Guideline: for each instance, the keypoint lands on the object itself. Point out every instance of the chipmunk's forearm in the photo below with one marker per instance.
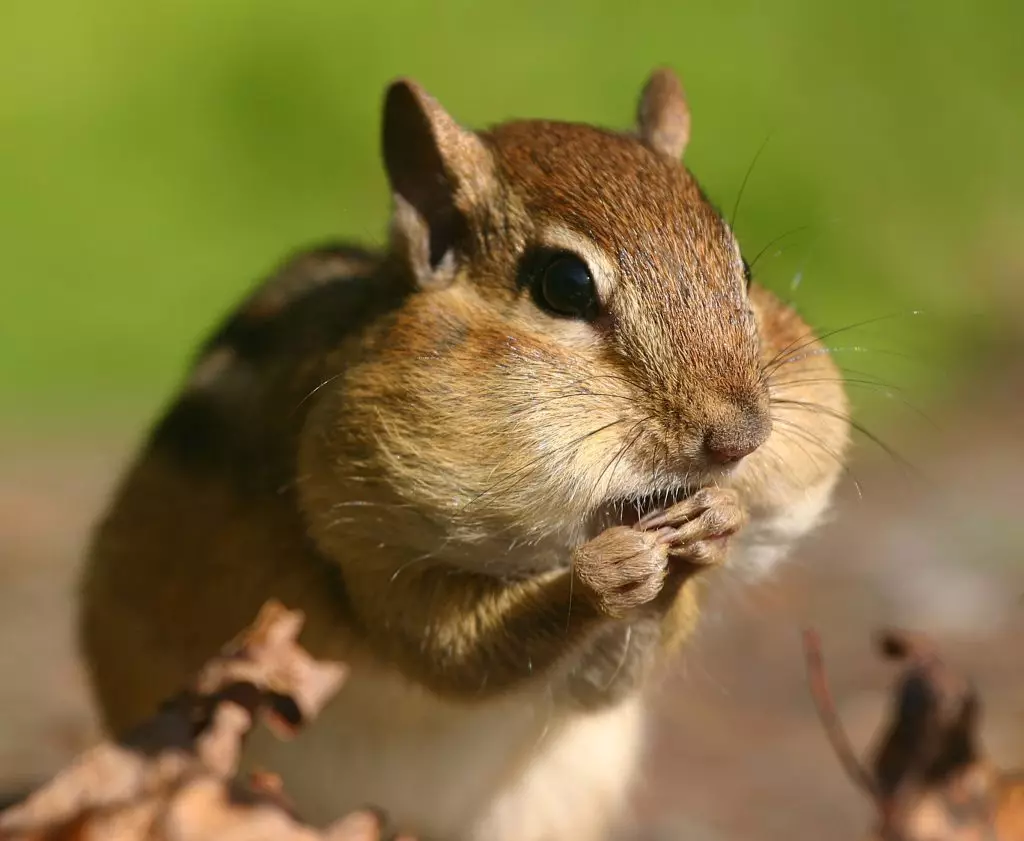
(469, 635)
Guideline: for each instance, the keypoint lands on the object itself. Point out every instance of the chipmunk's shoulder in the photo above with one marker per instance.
(272, 339)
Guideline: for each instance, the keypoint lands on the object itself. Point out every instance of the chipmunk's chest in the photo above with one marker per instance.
(445, 770)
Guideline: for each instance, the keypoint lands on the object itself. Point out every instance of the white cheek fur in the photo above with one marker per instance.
(767, 540)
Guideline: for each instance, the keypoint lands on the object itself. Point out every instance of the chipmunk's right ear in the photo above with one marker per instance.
(437, 170)
(663, 116)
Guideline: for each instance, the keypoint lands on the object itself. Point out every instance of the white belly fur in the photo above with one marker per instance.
(512, 769)
(768, 539)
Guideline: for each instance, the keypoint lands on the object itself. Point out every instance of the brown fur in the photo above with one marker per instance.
(409, 449)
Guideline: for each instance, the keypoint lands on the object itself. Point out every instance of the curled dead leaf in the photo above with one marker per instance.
(174, 778)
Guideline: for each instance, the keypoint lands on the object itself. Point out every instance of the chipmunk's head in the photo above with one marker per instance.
(581, 341)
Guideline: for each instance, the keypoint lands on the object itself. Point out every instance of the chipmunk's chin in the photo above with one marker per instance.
(628, 511)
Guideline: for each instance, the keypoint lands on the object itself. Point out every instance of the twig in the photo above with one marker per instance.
(826, 709)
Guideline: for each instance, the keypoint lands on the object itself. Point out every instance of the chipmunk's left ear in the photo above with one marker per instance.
(438, 171)
(663, 117)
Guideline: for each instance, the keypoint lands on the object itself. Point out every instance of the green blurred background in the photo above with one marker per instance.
(158, 158)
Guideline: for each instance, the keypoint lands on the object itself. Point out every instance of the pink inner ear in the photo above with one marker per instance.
(416, 167)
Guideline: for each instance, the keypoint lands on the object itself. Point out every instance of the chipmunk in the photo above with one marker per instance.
(486, 463)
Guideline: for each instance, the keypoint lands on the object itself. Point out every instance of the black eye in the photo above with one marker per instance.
(746, 273)
(566, 287)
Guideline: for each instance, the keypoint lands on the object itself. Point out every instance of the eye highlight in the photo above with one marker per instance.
(565, 286)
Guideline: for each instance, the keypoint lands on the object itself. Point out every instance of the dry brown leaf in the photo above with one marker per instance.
(173, 778)
(928, 776)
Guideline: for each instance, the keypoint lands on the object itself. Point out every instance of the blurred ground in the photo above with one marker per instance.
(737, 752)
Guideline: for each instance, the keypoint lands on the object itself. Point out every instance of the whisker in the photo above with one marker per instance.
(635, 431)
(812, 438)
(533, 404)
(808, 435)
(544, 456)
(810, 338)
(301, 479)
(775, 241)
(868, 375)
(782, 465)
(328, 381)
(591, 377)
(847, 370)
(638, 426)
(889, 392)
(847, 349)
(801, 405)
(413, 561)
(776, 385)
(360, 503)
(743, 184)
(847, 373)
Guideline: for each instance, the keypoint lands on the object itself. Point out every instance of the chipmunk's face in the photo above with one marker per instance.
(585, 343)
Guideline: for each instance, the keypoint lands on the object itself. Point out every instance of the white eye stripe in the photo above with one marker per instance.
(600, 263)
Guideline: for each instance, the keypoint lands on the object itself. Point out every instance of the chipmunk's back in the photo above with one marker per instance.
(203, 528)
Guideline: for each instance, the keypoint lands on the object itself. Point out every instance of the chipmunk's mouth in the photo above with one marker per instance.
(628, 511)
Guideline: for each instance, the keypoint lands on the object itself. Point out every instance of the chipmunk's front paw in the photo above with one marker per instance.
(622, 569)
(697, 530)
(628, 568)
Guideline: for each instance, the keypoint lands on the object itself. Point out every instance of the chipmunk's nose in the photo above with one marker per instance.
(736, 433)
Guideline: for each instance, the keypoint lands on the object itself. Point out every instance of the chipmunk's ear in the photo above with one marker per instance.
(663, 117)
(437, 171)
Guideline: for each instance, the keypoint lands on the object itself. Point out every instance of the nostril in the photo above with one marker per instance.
(735, 436)
(728, 453)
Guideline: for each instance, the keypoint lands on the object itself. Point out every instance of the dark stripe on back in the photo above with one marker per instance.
(301, 312)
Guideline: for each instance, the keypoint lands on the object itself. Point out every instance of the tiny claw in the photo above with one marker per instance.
(689, 559)
(666, 535)
(685, 511)
(660, 519)
(651, 520)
